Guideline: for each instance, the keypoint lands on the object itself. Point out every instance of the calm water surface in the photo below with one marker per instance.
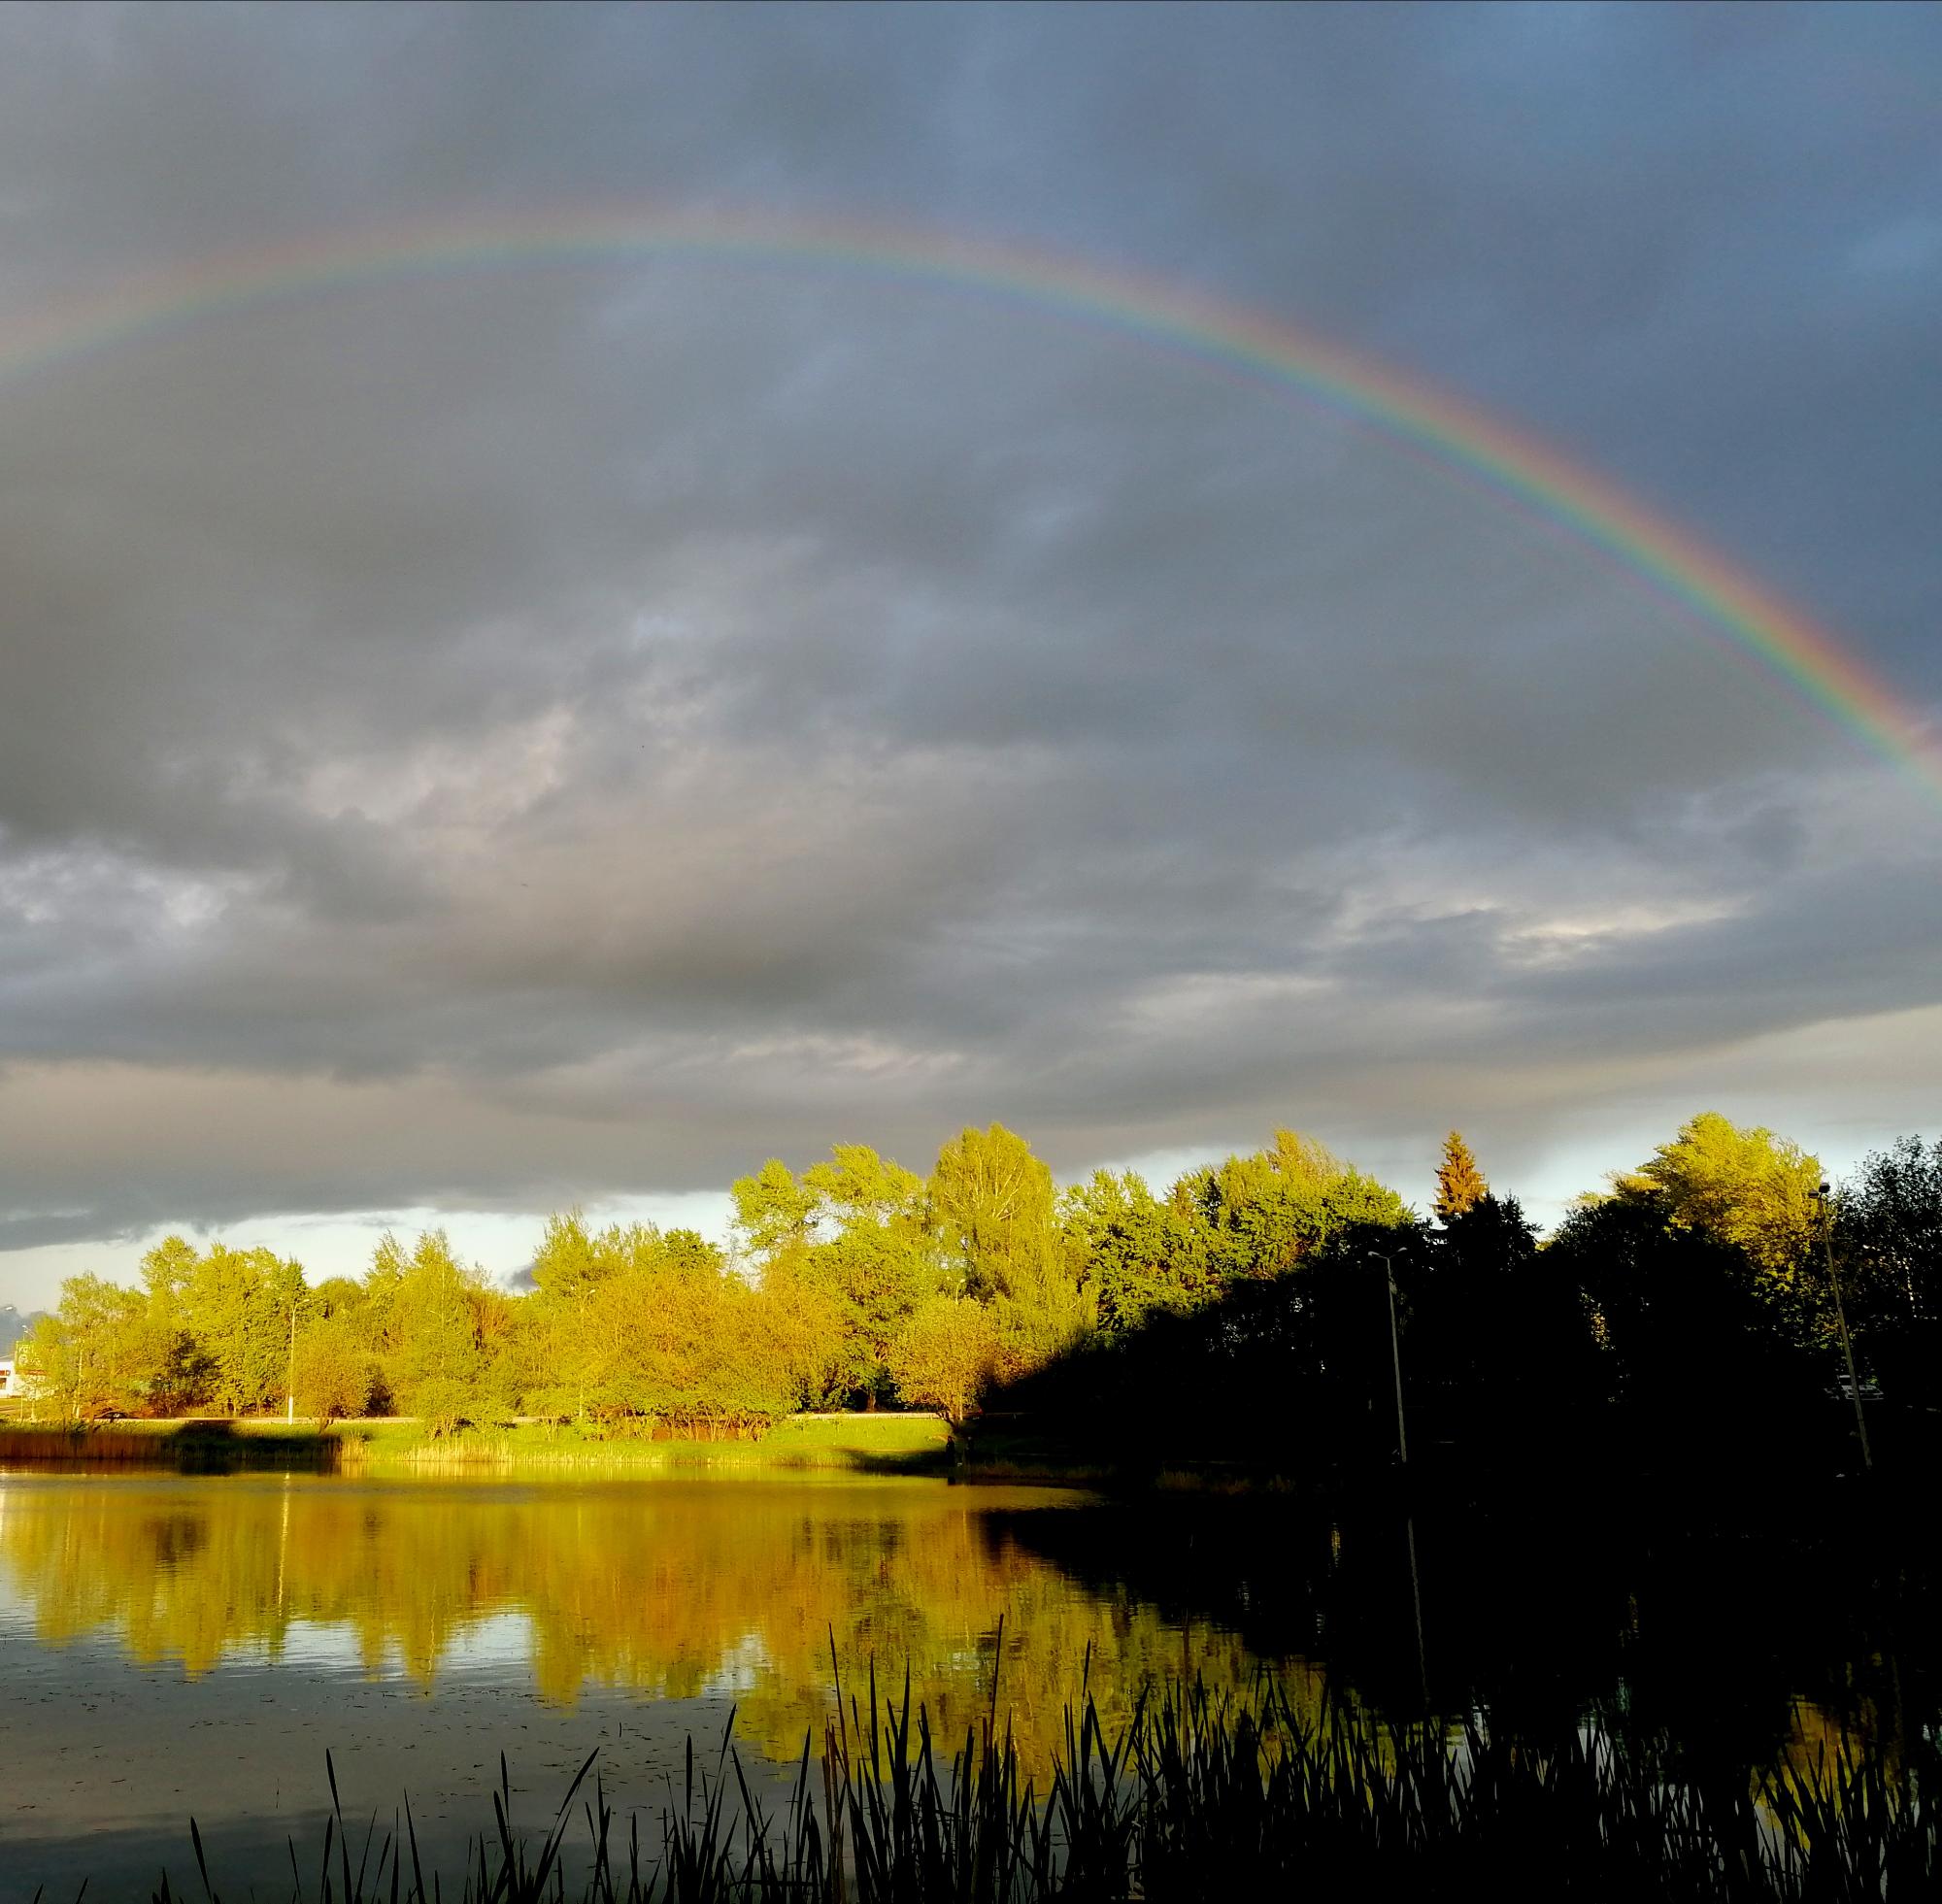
(171, 1646)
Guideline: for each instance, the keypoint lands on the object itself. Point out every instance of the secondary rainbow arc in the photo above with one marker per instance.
(1804, 656)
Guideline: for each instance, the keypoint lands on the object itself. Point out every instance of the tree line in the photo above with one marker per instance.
(1723, 1260)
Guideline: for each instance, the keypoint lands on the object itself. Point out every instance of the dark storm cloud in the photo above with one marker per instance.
(518, 735)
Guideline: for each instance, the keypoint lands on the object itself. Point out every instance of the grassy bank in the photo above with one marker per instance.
(857, 1444)
(194, 1447)
(1195, 1801)
(883, 1443)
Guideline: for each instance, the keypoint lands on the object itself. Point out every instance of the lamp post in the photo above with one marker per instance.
(1841, 1323)
(1395, 1363)
(290, 1390)
(1402, 1458)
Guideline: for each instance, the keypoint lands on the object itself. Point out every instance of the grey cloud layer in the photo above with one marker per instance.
(549, 732)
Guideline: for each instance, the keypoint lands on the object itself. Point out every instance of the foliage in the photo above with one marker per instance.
(1249, 1296)
(1688, 1349)
(432, 1341)
(634, 1324)
(235, 1304)
(1299, 1158)
(850, 1250)
(944, 1356)
(1262, 1215)
(772, 1211)
(1887, 1247)
(808, 1334)
(1501, 1336)
(93, 1352)
(1459, 1182)
(1140, 1257)
(1749, 1190)
(993, 1202)
(996, 1209)
(334, 1374)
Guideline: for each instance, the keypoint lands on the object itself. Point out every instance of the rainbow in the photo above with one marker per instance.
(1746, 618)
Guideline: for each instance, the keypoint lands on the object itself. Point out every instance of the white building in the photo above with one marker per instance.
(11, 1381)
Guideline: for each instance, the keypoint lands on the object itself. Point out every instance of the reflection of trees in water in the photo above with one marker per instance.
(1745, 1647)
(654, 1588)
(1747, 1650)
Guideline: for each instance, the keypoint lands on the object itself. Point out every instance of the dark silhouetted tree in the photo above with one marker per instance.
(1888, 1246)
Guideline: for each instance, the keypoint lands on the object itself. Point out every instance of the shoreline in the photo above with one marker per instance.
(910, 1445)
(884, 1444)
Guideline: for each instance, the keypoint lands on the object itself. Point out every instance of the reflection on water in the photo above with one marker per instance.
(663, 1590)
(170, 1644)
(177, 1644)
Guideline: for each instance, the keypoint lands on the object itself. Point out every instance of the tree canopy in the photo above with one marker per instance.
(1460, 1184)
(1706, 1279)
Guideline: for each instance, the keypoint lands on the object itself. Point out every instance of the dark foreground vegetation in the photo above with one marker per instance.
(1196, 1799)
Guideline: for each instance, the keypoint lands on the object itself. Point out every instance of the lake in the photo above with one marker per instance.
(172, 1646)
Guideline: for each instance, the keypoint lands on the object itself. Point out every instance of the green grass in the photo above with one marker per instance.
(852, 1443)
(857, 1444)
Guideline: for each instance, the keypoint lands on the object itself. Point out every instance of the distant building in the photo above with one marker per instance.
(11, 1381)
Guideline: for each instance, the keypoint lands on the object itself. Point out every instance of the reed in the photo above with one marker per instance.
(184, 1447)
(1196, 1800)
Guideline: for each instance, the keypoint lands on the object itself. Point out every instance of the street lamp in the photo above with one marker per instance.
(1395, 1363)
(1841, 1323)
(290, 1391)
(1402, 1456)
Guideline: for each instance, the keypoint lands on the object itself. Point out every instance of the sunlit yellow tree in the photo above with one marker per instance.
(237, 1304)
(1748, 1189)
(433, 1358)
(1459, 1184)
(945, 1355)
(92, 1353)
(994, 1206)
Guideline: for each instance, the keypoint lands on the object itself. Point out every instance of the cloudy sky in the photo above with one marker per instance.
(479, 739)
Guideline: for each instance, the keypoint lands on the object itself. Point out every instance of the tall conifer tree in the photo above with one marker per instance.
(1460, 1184)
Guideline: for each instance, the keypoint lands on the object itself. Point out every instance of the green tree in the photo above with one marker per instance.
(633, 1327)
(332, 1371)
(1887, 1247)
(1140, 1257)
(800, 1335)
(180, 1369)
(848, 1242)
(994, 1204)
(434, 1363)
(92, 1353)
(880, 1259)
(873, 1276)
(1260, 1215)
(1753, 1191)
(1460, 1184)
(559, 1344)
(1298, 1159)
(236, 1305)
(997, 1215)
(774, 1212)
(945, 1355)
(858, 1185)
